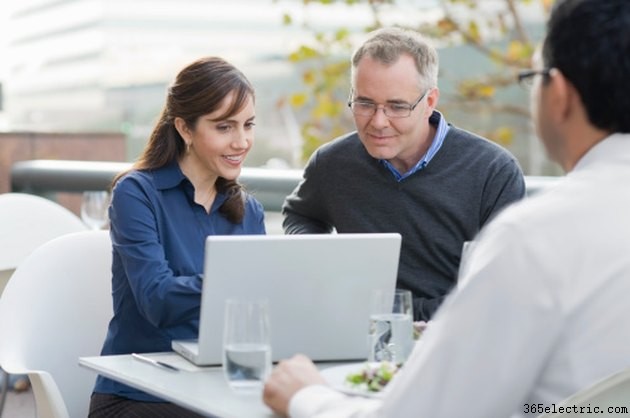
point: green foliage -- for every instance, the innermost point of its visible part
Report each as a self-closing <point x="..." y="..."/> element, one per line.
<point x="500" y="36"/>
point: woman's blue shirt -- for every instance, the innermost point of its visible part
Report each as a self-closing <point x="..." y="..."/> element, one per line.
<point x="158" y="236"/>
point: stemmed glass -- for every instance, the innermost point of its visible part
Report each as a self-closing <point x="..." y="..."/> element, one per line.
<point x="94" y="209"/>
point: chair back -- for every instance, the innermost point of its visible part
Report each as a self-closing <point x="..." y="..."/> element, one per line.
<point x="55" y="309"/>
<point x="610" y="392"/>
<point x="26" y="222"/>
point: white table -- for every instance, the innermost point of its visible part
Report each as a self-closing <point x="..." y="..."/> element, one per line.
<point x="201" y="389"/>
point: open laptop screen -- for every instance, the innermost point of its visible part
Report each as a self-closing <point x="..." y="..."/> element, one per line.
<point x="318" y="286"/>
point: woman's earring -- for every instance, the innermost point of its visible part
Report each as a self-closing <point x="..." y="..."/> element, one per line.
<point x="187" y="147"/>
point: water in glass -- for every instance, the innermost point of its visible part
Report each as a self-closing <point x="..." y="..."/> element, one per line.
<point x="390" y="337"/>
<point x="247" y="365"/>
<point x="94" y="209"/>
<point x="246" y="344"/>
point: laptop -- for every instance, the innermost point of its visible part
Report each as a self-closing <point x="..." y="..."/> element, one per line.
<point x="318" y="286"/>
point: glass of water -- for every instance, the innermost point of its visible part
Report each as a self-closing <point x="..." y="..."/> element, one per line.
<point x="246" y="344"/>
<point x="94" y="207"/>
<point x="390" y="334"/>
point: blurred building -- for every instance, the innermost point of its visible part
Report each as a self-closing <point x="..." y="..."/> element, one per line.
<point x="78" y="65"/>
<point x="104" y="65"/>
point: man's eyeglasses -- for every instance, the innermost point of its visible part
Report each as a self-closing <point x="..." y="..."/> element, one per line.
<point x="526" y="77"/>
<point x="391" y="110"/>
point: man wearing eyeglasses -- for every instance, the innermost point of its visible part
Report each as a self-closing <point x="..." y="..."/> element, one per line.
<point x="405" y="169"/>
<point x="540" y="310"/>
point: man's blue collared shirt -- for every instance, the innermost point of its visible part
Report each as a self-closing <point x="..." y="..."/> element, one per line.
<point x="158" y="235"/>
<point x="442" y="128"/>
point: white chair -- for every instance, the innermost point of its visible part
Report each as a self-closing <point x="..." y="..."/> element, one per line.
<point x="66" y="286"/>
<point x="610" y="392"/>
<point x="26" y="222"/>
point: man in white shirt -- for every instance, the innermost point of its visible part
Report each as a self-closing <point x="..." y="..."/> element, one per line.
<point x="539" y="311"/>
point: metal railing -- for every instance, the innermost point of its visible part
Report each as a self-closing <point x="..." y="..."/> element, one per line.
<point x="270" y="186"/>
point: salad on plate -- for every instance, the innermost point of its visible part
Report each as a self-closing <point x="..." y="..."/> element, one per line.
<point x="373" y="377"/>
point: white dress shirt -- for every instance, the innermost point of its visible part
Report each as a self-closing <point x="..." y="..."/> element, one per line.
<point x="540" y="310"/>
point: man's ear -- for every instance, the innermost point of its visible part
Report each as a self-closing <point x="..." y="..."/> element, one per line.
<point x="432" y="100"/>
<point x="561" y="96"/>
<point x="182" y="129"/>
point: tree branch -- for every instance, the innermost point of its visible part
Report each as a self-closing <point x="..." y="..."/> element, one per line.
<point x="518" y="24"/>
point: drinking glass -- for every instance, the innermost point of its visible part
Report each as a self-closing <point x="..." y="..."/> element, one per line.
<point x="391" y="326"/>
<point x="94" y="209"/>
<point x="246" y="344"/>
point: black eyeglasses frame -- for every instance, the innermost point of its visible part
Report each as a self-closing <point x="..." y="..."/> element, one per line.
<point x="526" y="77"/>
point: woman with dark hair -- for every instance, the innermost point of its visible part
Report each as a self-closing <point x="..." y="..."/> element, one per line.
<point x="182" y="188"/>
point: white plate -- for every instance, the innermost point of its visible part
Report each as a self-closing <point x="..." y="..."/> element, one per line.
<point x="336" y="377"/>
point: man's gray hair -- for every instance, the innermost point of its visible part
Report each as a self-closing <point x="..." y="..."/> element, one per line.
<point x="386" y="45"/>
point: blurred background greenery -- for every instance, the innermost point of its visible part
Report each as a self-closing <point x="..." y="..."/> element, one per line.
<point x="482" y="46"/>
